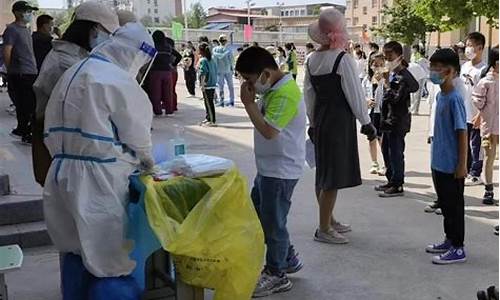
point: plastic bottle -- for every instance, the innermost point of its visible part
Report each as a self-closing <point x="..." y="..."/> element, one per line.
<point x="177" y="144"/>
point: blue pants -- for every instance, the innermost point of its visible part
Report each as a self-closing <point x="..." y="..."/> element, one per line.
<point x="475" y="155"/>
<point x="393" y="150"/>
<point x="272" y="200"/>
<point x="226" y="77"/>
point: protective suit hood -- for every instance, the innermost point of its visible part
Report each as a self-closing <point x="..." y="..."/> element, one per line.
<point x="130" y="47"/>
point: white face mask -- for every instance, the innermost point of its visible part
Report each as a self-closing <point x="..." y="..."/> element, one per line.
<point x="28" y="17"/>
<point x="261" y="88"/>
<point x="470" y="53"/>
<point x="101" y="37"/>
<point x="391" y="65"/>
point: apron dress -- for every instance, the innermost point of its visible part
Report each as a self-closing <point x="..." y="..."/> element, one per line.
<point x="335" y="135"/>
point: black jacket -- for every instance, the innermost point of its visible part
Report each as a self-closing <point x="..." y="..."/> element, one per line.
<point x="42" y="44"/>
<point x="395" y="113"/>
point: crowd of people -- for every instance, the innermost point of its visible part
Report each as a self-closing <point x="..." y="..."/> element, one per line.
<point x="85" y="101"/>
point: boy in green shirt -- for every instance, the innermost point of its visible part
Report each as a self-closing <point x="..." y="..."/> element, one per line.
<point x="279" y="144"/>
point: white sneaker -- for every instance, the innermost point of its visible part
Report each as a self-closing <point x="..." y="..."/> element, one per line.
<point x="330" y="237"/>
<point x="341" y="227"/>
<point x="473" y="181"/>
<point x="374" y="168"/>
<point x="381" y="171"/>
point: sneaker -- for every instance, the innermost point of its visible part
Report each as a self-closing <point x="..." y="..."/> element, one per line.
<point x="220" y="104"/>
<point x="210" y="124"/>
<point x="204" y="122"/>
<point x="393" y="191"/>
<point x="26" y="140"/>
<point x="374" y="168"/>
<point x="15" y="133"/>
<point x="293" y="260"/>
<point x="431" y="207"/>
<point x="330" y="237"/>
<point x="341" y="227"/>
<point x="496" y="230"/>
<point x="488" y="198"/>
<point x="381" y="171"/>
<point x="271" y="284"/>
<point x="383" y="187"/>
<point x="438" y="211"/>
<point x="452" y="256"/>
<point x="439" y="248"/>
<point x="473" y="180"/>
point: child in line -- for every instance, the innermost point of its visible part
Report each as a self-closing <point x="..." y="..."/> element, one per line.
<point x="374" y="92"/>
<point x="395" y="120"/>
<point x="208" y="83"/>
<point x="485" y="98"/>
<point x="471" y="74"/>
<point x="279" y="144"/>
<point x="449" y="157"/>
<point x="291" y="60"/>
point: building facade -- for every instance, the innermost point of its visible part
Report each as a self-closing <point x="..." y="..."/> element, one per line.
<point x="362" y="15"/>
<point x="160" y="11"/>
<point x="293" y="18"/>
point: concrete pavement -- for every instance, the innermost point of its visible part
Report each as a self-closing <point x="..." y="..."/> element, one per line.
<point x="385" y="259"/>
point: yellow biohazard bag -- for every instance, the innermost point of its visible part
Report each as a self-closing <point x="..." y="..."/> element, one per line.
<point x="212" y="230"/>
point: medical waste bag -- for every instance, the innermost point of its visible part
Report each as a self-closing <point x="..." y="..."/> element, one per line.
<point x="212" y="230"/>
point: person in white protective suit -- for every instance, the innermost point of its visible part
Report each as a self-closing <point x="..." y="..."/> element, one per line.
<point x="97" y="129"/>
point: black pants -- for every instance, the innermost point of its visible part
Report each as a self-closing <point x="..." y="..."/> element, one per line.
<point x="190" y="79"/>
<point x="450" y="194"/>
<point x="208" y="97"/>
<point x="23" y="97"/>
<point x="393" y="150"/>
<point x="294" y="77"/>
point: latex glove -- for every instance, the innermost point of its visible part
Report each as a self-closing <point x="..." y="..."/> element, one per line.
<point x="370" y="131"/>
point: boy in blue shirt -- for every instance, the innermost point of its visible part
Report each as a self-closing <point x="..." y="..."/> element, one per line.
<point x="449" y="157"/>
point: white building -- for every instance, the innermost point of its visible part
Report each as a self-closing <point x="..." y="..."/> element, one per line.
<point x="160" y="11"/>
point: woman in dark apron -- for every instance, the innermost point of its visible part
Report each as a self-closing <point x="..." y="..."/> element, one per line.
<point x="334" y="99"/>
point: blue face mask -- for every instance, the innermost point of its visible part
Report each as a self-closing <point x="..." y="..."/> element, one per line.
<point x="101" y="37"/>
<point x="27" y="17"/>
<point x="436" y="78"/>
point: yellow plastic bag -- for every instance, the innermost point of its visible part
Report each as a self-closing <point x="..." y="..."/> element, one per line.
<point x="212" y="229"/>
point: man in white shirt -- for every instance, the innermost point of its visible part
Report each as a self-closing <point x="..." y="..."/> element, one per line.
<point x="470" y="75"/>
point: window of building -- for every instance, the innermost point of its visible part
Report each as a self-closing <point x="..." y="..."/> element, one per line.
<point x="348" y="22"/>
<point x="286" y="13"/>
<point x="149" y="11"/>
<point x="156" y="10"/>
<point x="348" y="4"/>
<point x="374" y="3"/>
<point x="355" y="3"/>
<point x="365" y="10"/>
<point x="303" y="12"/>
<point x="292" y="13"/>
<point x="156" y="3"/>
<point x="157" y="20"/>
<point x="355" y="21"/>
<point x="149" y="2"/>
<point x="374" y="20"/>
<point x="282" y="13"/>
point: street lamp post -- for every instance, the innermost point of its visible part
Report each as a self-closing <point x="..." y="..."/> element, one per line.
<point x="186" y="26"/>
<point x="249" y="5"/>
<point x="280" y="5"/>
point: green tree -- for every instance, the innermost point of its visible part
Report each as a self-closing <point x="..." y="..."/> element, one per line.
<point x="486" y="8"/>
<point x="316" y="10"/>
<point x="404" y="25"/>
<point x="445" y="15"/>
<point x="197" y="17"/>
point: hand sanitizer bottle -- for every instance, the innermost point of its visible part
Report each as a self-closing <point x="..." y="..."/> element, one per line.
<point x="178" y="144"/>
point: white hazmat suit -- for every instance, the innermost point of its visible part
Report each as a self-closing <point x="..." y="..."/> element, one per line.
<point x="97" y="129"/>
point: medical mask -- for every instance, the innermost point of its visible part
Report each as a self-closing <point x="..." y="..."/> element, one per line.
<point x="436" y="78"/>
<point x="260" y="88"/>
<point x="101" y="37"/>
<point x="391" y="65"/>
<point x="378" y="69"/>
<point x="27" y="17"/>
<point x="470" y="53"/>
